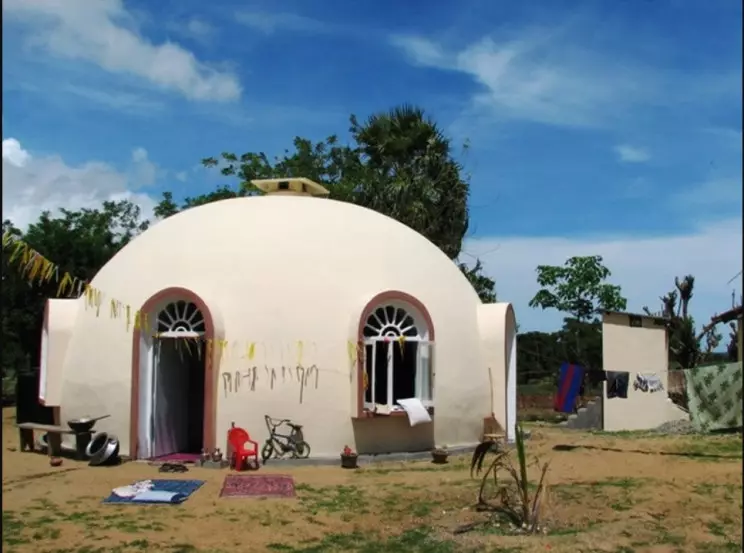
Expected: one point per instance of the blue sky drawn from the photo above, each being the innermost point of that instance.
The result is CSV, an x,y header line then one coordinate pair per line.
x,y
610,128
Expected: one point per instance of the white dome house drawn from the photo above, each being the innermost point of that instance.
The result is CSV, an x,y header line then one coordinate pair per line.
x,y
302,308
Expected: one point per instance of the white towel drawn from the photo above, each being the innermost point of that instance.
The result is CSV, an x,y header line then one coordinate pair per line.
x,y
648,383
417,413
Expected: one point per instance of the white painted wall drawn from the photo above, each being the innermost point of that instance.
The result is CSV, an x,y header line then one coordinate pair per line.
x,y
637,350
55,337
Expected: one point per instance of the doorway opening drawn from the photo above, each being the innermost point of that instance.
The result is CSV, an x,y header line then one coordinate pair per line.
x,y
172,387
178,398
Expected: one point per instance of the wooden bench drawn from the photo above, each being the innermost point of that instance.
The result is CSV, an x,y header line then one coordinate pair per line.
x,y
54,438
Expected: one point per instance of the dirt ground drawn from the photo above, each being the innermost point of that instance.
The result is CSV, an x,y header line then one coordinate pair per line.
x,y
618,493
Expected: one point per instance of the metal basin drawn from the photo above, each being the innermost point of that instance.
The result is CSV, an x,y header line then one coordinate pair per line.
x,y
102,449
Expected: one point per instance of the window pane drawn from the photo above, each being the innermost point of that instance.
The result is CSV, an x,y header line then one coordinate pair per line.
x,y
424,384
368,364
404,370
379,380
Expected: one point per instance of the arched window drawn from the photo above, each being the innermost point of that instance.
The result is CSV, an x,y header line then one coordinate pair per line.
x,y
397,357
180,319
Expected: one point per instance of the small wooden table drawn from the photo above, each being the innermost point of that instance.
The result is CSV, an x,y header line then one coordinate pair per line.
x,y
54,438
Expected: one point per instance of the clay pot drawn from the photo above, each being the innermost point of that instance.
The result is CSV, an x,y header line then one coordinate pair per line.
x,y
349,461
439,456
55,461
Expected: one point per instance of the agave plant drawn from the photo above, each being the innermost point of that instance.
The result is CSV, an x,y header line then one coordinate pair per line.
x,y
515,500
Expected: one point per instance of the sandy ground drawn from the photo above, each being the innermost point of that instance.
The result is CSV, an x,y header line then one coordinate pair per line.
x,y
615,493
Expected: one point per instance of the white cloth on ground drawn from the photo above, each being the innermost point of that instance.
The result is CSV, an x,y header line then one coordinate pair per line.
x,y
134,489
416,411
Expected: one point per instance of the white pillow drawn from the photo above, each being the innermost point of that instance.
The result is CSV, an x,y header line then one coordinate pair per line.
x,y
417,413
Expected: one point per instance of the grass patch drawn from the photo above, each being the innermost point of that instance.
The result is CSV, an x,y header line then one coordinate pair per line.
x,y
416,540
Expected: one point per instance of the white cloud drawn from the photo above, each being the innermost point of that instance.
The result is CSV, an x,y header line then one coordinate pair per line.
x,y
631,154
103,32
193,28
14,153
269,23
420,50
536,78
35,184
717,193
644,267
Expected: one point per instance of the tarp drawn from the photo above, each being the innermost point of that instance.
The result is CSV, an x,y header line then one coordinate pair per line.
x,y
714,396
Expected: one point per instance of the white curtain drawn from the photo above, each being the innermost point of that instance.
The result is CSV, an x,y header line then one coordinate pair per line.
x,y
170,408
144,430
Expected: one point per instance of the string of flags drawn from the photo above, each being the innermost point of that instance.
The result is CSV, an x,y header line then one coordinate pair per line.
x,y
38,270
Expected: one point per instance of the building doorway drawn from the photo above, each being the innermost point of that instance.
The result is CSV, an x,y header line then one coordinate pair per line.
x,y
171,387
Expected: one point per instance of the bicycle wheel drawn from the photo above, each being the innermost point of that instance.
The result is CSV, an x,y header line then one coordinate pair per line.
x,y
267,451
302,449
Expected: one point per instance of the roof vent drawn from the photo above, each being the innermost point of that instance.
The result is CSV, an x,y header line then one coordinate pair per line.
x,y
290,187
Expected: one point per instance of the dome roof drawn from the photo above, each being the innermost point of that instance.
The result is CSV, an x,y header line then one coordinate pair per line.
x,y
279,240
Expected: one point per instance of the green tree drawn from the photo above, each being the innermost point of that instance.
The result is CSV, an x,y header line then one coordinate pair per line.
x,y
397,163
578,288
686,349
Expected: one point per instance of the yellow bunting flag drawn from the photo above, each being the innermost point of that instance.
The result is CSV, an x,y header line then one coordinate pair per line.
x,y
223,347
251,350
129,316
351,351
137,320
401,342
51,270
65,283
99,301
114,309
19,250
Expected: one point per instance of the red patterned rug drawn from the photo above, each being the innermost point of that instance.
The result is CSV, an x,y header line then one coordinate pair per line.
x,y
258,485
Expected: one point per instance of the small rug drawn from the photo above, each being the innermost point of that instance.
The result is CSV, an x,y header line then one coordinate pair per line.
x,y
177,458
255,485
184,488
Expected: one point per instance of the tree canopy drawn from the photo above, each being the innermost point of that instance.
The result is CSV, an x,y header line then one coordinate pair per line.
x,y
82,242
578,288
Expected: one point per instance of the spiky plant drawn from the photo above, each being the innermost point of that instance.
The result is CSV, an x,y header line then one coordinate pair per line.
x,y
514,501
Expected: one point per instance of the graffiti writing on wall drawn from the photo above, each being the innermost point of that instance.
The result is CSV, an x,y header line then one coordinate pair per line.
x,y
234,382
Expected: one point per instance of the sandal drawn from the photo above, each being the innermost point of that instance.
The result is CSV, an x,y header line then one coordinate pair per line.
x,y
173,467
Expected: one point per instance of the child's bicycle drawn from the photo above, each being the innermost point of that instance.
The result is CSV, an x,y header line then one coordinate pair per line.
x,y
278,445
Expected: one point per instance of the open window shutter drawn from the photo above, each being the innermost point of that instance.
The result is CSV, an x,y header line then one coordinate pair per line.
x,y
424,372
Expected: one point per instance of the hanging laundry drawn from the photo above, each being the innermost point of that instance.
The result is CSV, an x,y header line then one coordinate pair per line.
x,y
715,396
648,383
617,384
569,384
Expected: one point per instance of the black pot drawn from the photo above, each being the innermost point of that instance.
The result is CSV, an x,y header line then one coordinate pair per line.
x,y
349,461
81,426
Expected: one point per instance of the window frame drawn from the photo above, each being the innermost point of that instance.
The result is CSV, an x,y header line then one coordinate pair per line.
x,y
423,344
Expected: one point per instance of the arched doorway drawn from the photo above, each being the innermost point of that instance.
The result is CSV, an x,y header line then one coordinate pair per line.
x,y
398,348
172,383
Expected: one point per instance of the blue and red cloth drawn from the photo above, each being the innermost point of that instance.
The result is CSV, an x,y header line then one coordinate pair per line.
x,y
569,386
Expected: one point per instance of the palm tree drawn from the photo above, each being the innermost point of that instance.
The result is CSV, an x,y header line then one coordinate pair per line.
x,y
414,176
